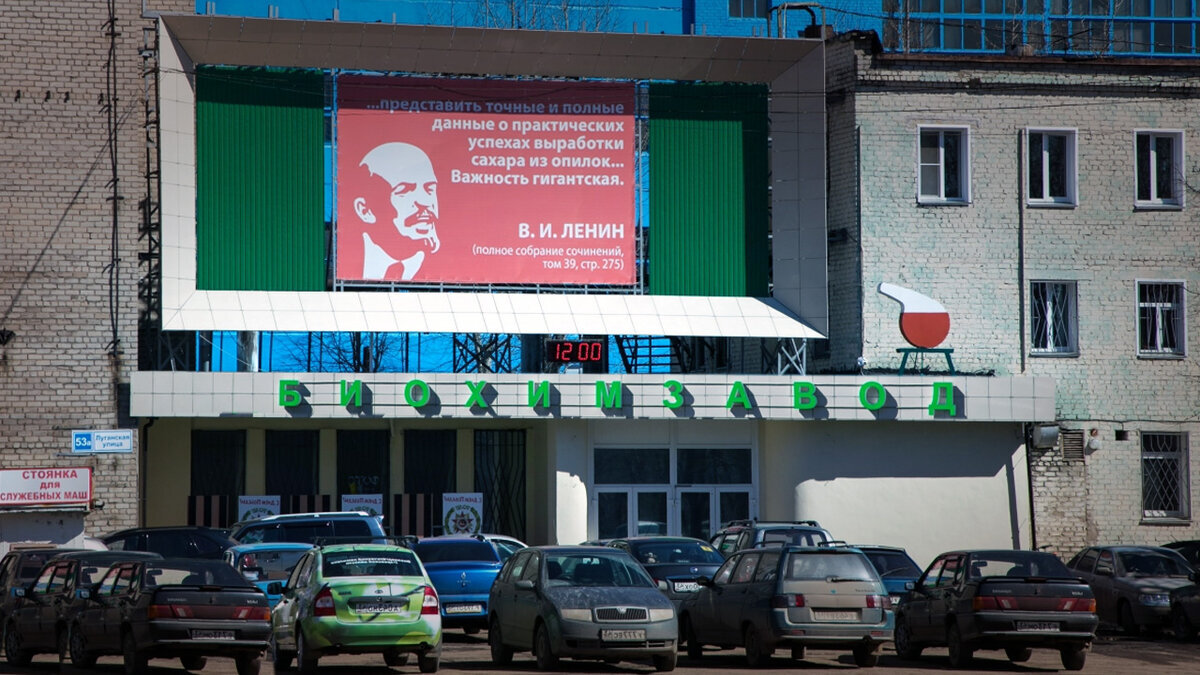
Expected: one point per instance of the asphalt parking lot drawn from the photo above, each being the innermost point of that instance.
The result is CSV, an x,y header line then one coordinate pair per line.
x,y
1111,655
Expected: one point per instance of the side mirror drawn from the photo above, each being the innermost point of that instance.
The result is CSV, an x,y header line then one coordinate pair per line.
x,y
275,588
83,593
525,585
705,581
18,592
909,585
663,585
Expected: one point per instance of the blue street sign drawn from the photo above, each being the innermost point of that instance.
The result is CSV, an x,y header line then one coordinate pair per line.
x,y
114,440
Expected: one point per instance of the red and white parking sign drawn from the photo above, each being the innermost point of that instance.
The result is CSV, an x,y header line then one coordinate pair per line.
x,y
46,485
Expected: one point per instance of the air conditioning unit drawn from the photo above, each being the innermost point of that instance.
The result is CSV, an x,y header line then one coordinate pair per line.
x,y
1043,436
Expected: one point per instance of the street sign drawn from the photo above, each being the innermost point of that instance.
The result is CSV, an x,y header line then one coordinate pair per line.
x,y
97,441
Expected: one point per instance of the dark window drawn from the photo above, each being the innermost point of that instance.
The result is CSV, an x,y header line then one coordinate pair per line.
x,y
292,461
631,466
500,476
714,466
218,462
430,462
748,9
362,463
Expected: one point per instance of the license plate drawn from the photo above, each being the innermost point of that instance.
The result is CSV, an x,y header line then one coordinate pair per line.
x,y
380,607
212,635
686,587
622,635
835,615
1051,626
464,609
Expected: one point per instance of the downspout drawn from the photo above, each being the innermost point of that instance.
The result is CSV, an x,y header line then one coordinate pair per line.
x,y
1033,538
143,452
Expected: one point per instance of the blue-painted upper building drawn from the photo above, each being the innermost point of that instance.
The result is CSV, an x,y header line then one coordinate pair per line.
x,y
1160,28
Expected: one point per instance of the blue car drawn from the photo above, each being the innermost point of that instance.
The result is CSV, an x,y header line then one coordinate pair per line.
x,y
462,570
264,563
895,567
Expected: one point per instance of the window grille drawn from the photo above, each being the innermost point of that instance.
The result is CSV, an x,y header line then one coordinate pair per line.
x,y
1161,319
1164,475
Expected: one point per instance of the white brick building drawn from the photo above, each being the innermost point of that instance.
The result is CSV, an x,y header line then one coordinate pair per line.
x,y
1080,265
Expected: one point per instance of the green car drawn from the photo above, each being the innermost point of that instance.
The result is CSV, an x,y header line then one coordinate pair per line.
x,y
356,599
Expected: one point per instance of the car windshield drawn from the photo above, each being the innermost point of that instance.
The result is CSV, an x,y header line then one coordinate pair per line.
x,y
1152,564
455,551
893,564
683,552
193,573
828,566
370,564
268,565
793,536
586,570
1017,564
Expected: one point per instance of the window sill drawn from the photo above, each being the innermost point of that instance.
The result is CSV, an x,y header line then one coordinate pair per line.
x,y
943,202
1165,520
1051,205
1055,355
1153,356
1149,206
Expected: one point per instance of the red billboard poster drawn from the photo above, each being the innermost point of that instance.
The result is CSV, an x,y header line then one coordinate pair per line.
x,y
485,181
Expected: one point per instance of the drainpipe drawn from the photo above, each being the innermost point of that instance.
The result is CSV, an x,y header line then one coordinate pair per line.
x,y
143,452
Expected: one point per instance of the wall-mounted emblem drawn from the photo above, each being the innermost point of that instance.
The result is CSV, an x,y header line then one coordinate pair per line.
x,y
924,322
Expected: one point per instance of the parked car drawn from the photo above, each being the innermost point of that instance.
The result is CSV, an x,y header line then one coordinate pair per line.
x,y
462,570
677,562
184,608
1132,584
1003,599
790,597
740,534
261,564
897,569
505,544
580,602
1189,549
18,568
312,528
1185,611
40,613
356,599
183,541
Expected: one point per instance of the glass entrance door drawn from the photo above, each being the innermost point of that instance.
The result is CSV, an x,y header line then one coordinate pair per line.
x,y
702,511
626,513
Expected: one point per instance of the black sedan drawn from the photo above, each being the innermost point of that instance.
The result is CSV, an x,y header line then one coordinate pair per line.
x,y
1003,599
38,613
175,608
676,562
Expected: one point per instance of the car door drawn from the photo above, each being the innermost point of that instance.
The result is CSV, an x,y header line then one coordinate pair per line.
x,y
917,606
759,592
527,603
89,619
944,597
503,594
705,606
48,605
732,605
286,611
1104,587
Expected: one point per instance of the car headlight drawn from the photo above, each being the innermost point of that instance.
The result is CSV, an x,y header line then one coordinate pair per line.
x,y
662,614
1155,599
577,614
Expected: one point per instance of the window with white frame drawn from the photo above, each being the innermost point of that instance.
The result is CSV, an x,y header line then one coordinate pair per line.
x,y
748,9
1053,318
1159,168
1165,475
1051,168
943,171
1162,324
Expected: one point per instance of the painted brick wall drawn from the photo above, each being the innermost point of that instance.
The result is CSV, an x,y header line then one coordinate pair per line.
x,y
60,371
968,257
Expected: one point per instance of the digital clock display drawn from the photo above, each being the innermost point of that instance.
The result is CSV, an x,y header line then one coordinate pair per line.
x,y
575,351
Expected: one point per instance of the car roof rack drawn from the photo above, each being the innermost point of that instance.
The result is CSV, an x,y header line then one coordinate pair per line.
x,y
745,522
387,540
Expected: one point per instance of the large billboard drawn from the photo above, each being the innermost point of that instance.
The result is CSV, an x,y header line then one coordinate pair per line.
x,y
485,181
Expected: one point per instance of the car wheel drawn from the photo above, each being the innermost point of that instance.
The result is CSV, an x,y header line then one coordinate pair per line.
x,y
757,653
193,662
866,656
134,660
395,659
306,661
501,653
1073,657
1125,618
248,664
1182,625
1018,654
905,647
546,659
427,663
665,663
282,658
77,646
960,654
12,646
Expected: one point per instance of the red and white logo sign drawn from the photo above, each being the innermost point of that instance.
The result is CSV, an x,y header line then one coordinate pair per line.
x,y
924,322
485,181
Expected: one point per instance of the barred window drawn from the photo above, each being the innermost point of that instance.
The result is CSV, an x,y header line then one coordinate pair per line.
x,y
1053,318
1162,327
1164,475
